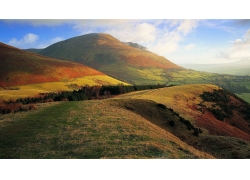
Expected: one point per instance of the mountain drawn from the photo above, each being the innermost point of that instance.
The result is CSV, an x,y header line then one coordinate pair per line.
x,y
113,57
135,45
33,50
19,68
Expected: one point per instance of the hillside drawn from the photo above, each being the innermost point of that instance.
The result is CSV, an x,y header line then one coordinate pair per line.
x,y
87,130
132,63
33,50
23,70
171,122
222,116
113,57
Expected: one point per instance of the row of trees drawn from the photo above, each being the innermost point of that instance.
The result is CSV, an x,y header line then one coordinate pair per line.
x,y
87,93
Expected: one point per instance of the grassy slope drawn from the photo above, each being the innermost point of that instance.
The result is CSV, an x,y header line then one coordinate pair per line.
x,y
219,137
87,129
31,73
183,77
127,126
109,55
34,89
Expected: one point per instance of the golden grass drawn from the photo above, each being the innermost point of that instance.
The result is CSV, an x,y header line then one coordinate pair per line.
x,y
35,89
178,98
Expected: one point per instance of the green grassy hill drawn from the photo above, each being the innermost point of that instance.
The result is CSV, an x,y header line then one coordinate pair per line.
x,y
113,57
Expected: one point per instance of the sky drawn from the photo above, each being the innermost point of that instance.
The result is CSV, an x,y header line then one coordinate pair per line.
x,y
182,40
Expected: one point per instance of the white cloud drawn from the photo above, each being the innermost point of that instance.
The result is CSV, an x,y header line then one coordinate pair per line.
x,y
168,39
189,47
26,40
56,39
239,50
159,36
139,33
30,38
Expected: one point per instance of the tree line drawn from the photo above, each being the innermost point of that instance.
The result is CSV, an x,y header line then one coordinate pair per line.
x,y
84,93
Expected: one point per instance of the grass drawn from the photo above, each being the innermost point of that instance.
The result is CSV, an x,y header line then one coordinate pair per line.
x,y
245,96
127,126
185,100
87,129
35,89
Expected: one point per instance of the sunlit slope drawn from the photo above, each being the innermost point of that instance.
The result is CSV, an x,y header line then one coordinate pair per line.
x,y
32,90
21,70
186,100
109,55
88,129
20,67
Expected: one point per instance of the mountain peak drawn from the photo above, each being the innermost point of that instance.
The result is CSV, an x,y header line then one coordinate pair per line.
x,y
101,51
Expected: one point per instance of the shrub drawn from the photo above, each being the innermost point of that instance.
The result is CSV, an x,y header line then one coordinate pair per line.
x,y
171,123
196,132
161,106
24,108
32,107
200,131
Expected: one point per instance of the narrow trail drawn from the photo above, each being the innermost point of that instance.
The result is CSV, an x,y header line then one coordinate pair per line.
x,y
149,91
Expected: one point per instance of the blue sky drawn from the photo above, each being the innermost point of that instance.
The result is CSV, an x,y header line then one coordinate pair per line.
x,y
181,41
182,31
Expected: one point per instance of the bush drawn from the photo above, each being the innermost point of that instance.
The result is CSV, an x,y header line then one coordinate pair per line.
x,y
161,106
196,132
171,123
24,108
32,107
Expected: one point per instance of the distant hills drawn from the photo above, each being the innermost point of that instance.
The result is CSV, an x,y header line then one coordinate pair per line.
x,y
241,67
126,61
